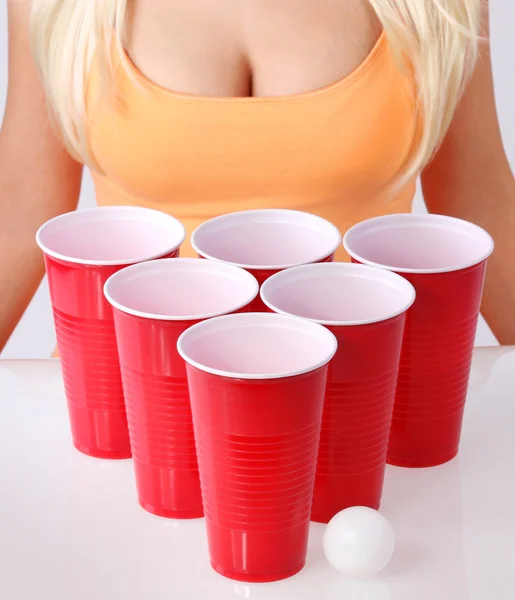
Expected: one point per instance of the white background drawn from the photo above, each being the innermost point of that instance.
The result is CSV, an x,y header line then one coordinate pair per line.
x,y
34,337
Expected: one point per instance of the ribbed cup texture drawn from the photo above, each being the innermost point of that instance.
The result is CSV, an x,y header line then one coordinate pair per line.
x,y
435,367
89,358
266,482
97,369
257,444
163,444
159,416
91,373
431,394
357,417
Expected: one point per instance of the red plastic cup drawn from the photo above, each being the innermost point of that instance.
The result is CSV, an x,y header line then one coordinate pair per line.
x,y
445,260
257,385
365,308
82,250
154,303
267,241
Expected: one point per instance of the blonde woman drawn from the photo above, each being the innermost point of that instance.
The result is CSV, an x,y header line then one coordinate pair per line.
x,y
199,108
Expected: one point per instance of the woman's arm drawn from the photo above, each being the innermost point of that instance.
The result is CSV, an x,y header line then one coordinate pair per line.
x,y
38,179
470,178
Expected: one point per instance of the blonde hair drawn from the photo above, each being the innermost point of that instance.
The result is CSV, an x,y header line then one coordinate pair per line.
x,y
439,37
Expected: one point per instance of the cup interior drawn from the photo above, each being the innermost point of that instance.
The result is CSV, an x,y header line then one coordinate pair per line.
x,y
267,239
181,288
257,346
418,243
338,293
111,235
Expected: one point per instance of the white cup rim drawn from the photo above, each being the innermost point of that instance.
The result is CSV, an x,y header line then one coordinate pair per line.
x,y
171,264
413,220
260,319
354,270
272,214
107,210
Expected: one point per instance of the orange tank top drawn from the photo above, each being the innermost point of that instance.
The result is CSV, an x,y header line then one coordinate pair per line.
x,y
333,152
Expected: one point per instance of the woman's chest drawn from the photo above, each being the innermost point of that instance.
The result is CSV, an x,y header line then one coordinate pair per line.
x,y
187,133
239,48
349,138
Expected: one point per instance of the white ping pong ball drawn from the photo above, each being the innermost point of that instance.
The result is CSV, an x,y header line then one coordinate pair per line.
x,y
359,542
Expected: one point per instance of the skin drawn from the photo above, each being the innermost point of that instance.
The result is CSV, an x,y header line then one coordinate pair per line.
x,y
470,178
27,146
234,48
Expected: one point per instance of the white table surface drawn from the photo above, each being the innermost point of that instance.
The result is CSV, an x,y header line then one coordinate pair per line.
x,y
71,529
